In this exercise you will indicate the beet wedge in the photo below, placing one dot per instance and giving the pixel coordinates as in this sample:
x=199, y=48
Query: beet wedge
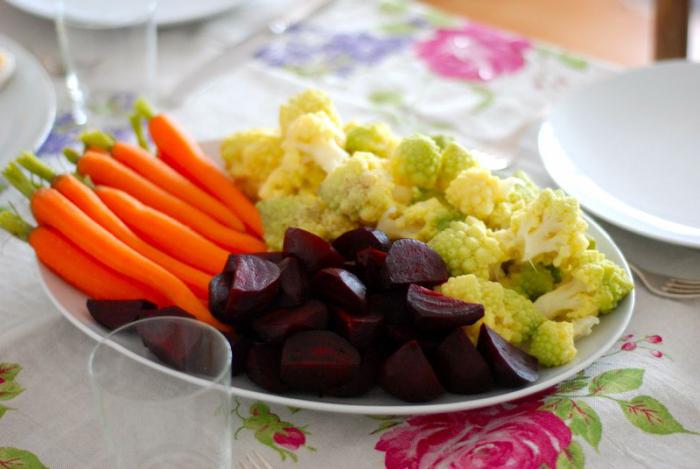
x=433, y=311
x=511, y=367
x=407, y=374
x=460, y=366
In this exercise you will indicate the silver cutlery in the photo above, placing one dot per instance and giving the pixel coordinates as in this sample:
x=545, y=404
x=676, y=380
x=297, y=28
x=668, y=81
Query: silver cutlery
x=667, y=286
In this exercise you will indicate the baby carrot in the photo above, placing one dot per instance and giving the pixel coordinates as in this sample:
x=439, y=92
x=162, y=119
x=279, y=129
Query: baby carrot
x=109, y=172
x=169, y=234
x=53, y=209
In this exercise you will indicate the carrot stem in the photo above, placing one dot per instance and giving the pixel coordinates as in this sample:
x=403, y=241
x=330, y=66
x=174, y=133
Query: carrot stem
x=71, y=155
x=34, y=165
x=18, y=180
x=14, y=224
x=96, y=138
x=137, y=127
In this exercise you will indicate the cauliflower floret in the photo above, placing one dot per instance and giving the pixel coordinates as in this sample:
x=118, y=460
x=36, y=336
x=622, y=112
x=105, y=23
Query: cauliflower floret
x=553, y=343
x=360, y=188
x=468, y=247
x=516, y=192
x=251, y=156
x=594, y=285
x=306, y=102
x=442, y=140
x=416, y=162
x=584, y=326
x=317, y=136
x=531, y=280
x=375, y=138
x=550, y=229
x=511, y=315
x=296, y=174
x=475, y=192
x=422, y=220
x=455, y=159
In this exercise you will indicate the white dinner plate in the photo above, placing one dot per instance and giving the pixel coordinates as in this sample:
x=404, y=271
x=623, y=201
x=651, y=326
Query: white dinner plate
x=27, y=104
x=71, y=303
x=628, y=148
x=168, y=12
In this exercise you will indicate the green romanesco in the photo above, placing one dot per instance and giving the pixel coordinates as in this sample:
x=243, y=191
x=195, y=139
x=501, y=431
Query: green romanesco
x=421, y=220
x=549, y=229
x=468, y=247
x=251, y=156
x=455, y=159
x=553, y=343
x=511, y=315
x=594, y=285
x=530, y=280
x=416, y=162
x=475, y=191
x=307, y=102
x=375, y=138
x=360, y=188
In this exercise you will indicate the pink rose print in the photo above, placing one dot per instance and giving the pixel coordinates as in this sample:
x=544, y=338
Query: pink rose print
x=628, y=346
x=628, y=337
x=657, y=353
x=516, y=435
x=654, y=339
x=290, y=438
x=473, y=52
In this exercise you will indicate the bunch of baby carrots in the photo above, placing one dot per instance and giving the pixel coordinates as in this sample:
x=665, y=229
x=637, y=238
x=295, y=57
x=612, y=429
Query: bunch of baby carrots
x=130, y=224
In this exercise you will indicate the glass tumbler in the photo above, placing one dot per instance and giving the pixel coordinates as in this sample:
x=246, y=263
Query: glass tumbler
x=108, y=50
x=162, y=388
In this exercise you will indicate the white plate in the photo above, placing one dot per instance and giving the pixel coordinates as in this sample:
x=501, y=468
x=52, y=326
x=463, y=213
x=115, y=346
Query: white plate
x=628, y=148
x=168, y=12
x=71, y=303
x=27, y=104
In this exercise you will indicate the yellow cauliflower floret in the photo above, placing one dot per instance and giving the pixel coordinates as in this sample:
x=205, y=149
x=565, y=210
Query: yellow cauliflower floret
x=421, y=220
x=250, y=157
x=474, y=192
x=307, y=102
x=296, y=174
x=553, y=343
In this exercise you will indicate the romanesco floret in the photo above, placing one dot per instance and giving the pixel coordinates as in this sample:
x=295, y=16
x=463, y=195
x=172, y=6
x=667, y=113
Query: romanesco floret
x=360, y=188
x=511, y=315
x=421, y=220
x=553, y=343
x=468, y=247
x=549, y=229
x=306, y=102
x=442, y=140
x=474, y=192
x=416, y=162
x=516, y=192
x=251, y=156
x=455, y=159
x=375, y=138
x=594, y=284
x=530, y=280
x=317, y=136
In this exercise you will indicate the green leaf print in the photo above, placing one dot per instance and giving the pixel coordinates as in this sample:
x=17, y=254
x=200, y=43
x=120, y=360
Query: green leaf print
x=13, y=458
x=585, y=423
x=10, y=390
x=8, y=371
x=651, y=416
x=3, y=409
x=573, y=385
x=559, y=406
x=572, y=457
x=617, y=381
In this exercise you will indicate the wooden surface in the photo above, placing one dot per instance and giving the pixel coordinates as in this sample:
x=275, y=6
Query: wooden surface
x=619, y=31
x=671, y=28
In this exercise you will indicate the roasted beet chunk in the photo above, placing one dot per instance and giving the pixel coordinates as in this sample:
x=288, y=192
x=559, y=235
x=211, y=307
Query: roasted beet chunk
x=173, y=311
x=176, y=345
x=294, y=283
x=240, y=345
x=363, y=380
x=254, y=286
x=510, y=366
x=361, y=331
x=351, y=242
x=411, y=261
x=219, y=290
x=277, y=325
x=392, y=305
x=460, y=366
x=433, y=311
x=370, y=264
x=262, y=365
x=274, y=256
x=341, y=288
x=313, y=251
x=116, y=313
x=318, y=361
x=407, y=374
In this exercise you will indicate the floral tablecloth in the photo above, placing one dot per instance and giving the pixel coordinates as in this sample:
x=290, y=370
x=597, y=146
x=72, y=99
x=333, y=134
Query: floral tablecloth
x=419, y=69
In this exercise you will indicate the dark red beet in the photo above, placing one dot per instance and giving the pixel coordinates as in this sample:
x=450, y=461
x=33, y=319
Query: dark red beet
x=433, y=311
x=318, y=361
x=361, y=331
x=407, y=374
x=277, y=325
x=219, y=290
x=510, y=366
x=275, y=257
x=399, y=334
x=313, y=251
x=240, y=345
x=175, y=311
x=262, y=365
x=411, y=261
x=294, y=283
x=351, y=242
x=342, y=288
x=460, y=366
x=363, y=380
x=392, y=305
x=254, y=286
x=116, y=313
x=370, y=263
x=181, y=347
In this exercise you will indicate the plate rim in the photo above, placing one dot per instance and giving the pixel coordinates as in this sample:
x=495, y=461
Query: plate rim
x=412, y=409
